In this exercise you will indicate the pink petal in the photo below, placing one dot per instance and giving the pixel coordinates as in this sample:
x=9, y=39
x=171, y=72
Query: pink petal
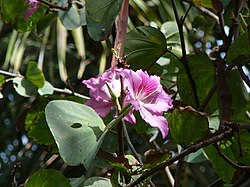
x=155, y=121
x=130, y=118
x=101, y=108
x=29, y=12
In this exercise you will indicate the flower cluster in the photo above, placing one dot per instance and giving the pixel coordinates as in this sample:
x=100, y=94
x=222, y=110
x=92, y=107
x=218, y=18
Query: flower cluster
x=34, y=5
x=141, y=90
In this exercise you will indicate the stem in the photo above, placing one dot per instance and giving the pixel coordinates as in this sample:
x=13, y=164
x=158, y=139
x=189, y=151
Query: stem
x=137, y=155
x=11, y=74
x=120, y=135
x=228, y=160
x=123, y=113
x=177, y=177
x=121, y=31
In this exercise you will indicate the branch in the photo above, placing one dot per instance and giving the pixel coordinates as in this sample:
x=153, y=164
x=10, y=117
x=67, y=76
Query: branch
x=218, y=136
x=137, y=155
x=228, y=160
x=184, y=61
x=121, y=32
x=66, y=91
x=54, y=6
x=212, y=91
x=11, y=74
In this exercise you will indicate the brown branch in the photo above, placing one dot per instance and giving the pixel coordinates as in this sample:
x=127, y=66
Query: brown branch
x=218, y=136
x=212, y=91
x=121, y=32
x=54, y=6
x=184, y=61
x=224, y=94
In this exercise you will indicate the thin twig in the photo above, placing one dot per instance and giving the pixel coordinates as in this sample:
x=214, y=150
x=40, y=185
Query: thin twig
x=184, y=61
x=177, y=177
x=54, y=6
x=136, y=154
x=213, y=139
x=11, y=74
x=228, y=160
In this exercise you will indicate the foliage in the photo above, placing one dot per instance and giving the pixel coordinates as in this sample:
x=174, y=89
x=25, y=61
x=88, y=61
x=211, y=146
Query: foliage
x=200, y=50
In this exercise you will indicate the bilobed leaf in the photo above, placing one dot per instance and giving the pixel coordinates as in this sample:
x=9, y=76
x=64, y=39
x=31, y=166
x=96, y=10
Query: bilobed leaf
x=24, y=87
x=144, y=45
x=35, y=75
x=224, y=170
x=70, y=18
x=97, y=182
x=101, y=16
x=76, y=145
x=47, y=178
x=203, y=73
x=185, y=123
x=239, y=52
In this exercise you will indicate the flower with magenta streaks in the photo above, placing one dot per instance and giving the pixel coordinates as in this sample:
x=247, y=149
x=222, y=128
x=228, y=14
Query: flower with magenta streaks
x=34, y=5
x=144, y=92
x=147, y=96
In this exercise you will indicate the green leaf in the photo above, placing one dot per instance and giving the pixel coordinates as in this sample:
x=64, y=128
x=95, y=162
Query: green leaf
x=196, y=157
x=46, y=21
x=77, y=182
x=101, y=16
x=187, y=127
x=144, y=45
x=221, y=167
x=240, y=97
x=73, y=17
x=2, y=80
x=242, y=153
x=9, y=9
x=203, y=73
x=76, y=145
x=239, y=51
x=23, y=25
x=24, y=87
x=35, y=75
x=97, y=182
x=36, y=126
x=47, y=89
x=47, y=178
x=203, y=3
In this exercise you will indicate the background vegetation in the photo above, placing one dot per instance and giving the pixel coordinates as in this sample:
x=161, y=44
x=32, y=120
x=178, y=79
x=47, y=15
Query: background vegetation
x=199, y=48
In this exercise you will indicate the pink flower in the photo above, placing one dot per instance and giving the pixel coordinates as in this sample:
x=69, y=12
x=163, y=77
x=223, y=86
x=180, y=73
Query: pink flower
x=34, y=5
x=144, y=92
x=147, y=96
x=101, y=100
